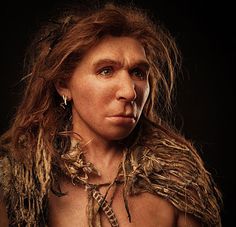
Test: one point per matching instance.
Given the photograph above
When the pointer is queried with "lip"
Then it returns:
(123, 118)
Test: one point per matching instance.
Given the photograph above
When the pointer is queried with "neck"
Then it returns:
(99, 150)
(103, 153)
(105, 156)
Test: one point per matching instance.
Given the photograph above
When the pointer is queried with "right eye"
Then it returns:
(105, 71)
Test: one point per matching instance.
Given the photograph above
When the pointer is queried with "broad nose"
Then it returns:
(126, 90)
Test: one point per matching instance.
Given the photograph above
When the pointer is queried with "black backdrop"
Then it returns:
(204, 32)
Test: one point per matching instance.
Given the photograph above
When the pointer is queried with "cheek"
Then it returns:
(90, 96)
(80, 94)
(144, 92)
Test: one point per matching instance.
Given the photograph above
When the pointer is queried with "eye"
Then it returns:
(105, 71)
(138, 73)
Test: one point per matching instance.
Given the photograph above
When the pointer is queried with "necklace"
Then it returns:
(103, 204)
(78, 170)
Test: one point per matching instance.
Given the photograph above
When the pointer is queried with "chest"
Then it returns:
(145, 209)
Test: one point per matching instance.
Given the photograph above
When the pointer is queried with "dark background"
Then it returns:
(204, 32)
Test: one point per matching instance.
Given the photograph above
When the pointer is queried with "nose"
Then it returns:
(126, 90)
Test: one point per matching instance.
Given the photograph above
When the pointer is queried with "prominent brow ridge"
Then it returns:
(103, 62)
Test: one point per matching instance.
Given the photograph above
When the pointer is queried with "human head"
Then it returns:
(60, 47)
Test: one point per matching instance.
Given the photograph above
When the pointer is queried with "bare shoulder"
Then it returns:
(165, 214)
(181, 176)
(152, 210)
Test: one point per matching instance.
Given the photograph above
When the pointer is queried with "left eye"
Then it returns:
(138, 73)
(106, 71)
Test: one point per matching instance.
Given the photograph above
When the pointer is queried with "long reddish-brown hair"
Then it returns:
(56, 51)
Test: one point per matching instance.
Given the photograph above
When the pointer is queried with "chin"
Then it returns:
(118, 135)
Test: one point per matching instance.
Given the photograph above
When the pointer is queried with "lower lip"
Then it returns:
(122, 120)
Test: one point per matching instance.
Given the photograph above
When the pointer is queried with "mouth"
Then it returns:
(123, 118)
(131, 115)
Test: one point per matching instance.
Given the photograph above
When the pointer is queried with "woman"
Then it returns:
(90, 144)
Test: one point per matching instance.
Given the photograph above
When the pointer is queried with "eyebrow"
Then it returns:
(106, 61)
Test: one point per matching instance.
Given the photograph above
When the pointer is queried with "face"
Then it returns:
(109, 88)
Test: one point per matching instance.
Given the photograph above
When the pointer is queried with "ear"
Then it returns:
(62, 88)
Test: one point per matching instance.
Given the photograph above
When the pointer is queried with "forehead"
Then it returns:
(123, 49)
